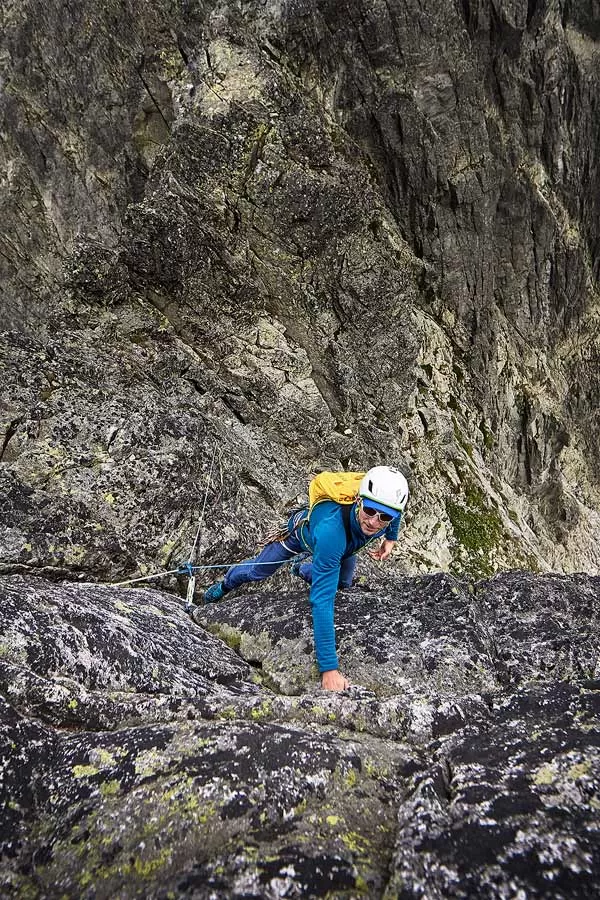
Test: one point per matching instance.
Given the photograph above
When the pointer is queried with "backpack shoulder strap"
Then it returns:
(346, 512)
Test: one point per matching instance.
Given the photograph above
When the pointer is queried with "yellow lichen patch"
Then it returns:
(102, 757)
(148, 763)
(351, 778)
(122, 607)
(84, 771)
(545, 774)
(153, 609)
(146, 867)
(579, 770)
(355, 842)
(74, 554)
(166, 551)
(110, 788)
(230, 636)
(262, 712)
(361, 885)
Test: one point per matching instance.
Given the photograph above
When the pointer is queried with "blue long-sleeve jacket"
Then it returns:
(325, 538)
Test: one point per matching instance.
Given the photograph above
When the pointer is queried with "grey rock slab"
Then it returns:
(125, 779)
(223, 807)
(424, 638)
(513, 811)
(541, 627)
(79, 653)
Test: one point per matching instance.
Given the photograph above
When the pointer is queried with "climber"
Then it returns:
(331, 532)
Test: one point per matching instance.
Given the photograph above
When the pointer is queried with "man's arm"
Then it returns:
(329, 544)
(389, 541)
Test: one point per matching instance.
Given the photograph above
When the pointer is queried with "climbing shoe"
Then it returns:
(215, 592)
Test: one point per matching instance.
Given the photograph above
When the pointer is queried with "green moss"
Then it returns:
(488, 435)
(477, 530)
(461, 440)
(231, 636)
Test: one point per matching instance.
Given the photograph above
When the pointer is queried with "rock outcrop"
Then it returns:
(144, 757)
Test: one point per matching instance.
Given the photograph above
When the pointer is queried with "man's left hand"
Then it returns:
(382, 552)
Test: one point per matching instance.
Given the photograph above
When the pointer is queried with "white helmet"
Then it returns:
(385, 488)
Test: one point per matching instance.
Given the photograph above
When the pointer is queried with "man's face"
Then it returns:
(370, 524)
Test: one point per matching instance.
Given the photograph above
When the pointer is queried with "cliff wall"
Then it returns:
(319, 236)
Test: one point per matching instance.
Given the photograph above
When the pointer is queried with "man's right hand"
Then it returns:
(334, 681)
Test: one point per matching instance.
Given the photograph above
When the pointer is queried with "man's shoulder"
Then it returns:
(326, 511)
(327, 520)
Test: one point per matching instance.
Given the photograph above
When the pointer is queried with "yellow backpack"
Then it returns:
(339, 486)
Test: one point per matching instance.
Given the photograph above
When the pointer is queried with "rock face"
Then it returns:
(143, 757)
(241, 242)
(315, 235)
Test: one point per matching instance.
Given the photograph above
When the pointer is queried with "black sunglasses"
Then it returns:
(371, 512)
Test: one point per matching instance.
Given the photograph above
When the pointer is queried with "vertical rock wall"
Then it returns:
(317, 236)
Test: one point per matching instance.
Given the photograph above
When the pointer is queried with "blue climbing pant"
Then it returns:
(272, 557)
